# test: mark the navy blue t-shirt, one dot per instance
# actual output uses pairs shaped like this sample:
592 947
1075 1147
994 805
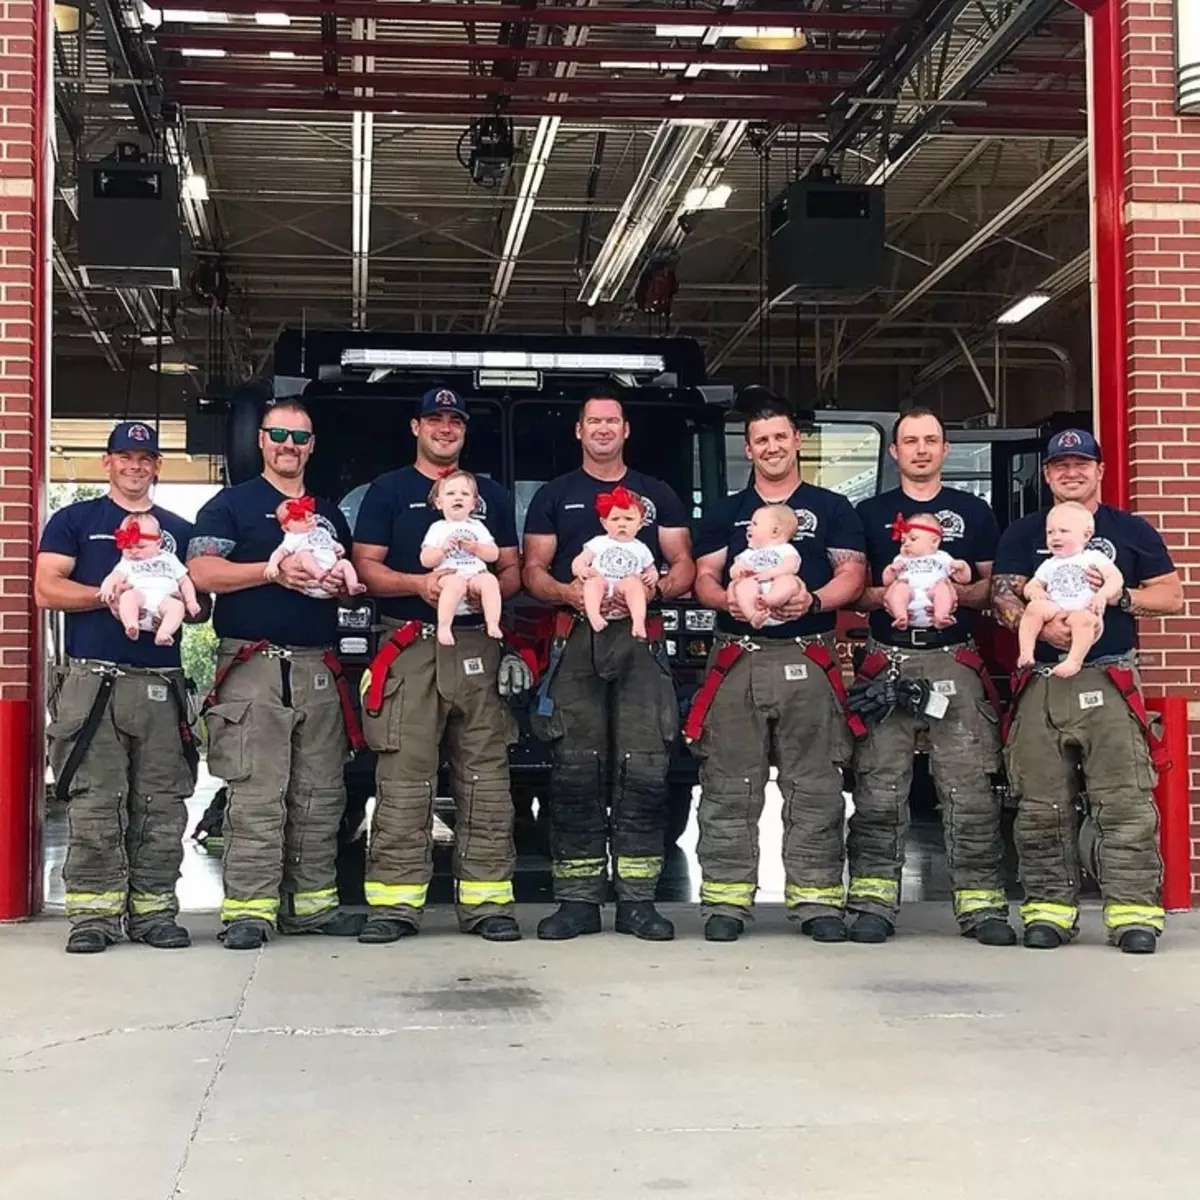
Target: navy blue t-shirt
85 532
396 513
566 509
969 532
827 522
239 524
1127 540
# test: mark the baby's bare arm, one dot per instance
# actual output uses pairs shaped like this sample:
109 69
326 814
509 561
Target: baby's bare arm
1035 590
487 551
431 556
784 568
581 564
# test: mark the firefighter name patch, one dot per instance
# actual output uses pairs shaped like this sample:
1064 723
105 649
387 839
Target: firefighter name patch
156 692
1091 699
320 683
945 687
794 672
472 666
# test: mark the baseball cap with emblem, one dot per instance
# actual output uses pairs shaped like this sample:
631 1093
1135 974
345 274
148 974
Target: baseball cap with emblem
1073 443
443 400
133 435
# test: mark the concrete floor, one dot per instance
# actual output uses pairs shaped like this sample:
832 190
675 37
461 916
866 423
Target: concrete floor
930 1069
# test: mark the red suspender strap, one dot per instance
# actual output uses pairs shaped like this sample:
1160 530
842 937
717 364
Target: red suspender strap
349 717
726 656
244 654
821 657
971 659
564 622
873 665
387 654
1020 681
1123 678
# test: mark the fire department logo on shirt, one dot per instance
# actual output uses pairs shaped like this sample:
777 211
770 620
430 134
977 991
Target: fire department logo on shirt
1105 547
953 526
806 524
648 508
168 543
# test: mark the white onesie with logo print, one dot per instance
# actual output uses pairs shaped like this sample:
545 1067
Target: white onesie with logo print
157 579
1065 579
614 560
767 558
922 572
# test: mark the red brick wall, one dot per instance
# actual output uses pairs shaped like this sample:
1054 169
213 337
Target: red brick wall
1162 224
18 170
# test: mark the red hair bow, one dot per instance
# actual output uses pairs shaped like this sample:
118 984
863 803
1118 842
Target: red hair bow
619 497
297 510
901 525
128 536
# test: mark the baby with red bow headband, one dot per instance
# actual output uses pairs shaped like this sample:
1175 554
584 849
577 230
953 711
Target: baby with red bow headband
151 587
616 563
920 580
321 554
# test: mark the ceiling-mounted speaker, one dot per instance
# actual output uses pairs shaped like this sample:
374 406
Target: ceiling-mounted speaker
129 224
825 237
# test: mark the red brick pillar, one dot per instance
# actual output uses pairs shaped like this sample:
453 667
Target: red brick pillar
24 178
1161 214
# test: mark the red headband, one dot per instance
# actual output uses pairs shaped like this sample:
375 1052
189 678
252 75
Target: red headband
130 535
619 497
297 510
901 526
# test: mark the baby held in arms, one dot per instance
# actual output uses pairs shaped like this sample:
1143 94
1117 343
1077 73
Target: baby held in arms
150 585
1061 585
462 545
766 575
919 581
615 563
317 551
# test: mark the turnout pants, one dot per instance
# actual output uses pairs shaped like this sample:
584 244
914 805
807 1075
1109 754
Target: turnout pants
775 706
277 738
963 748
1062 724
437 695
615 717
127 800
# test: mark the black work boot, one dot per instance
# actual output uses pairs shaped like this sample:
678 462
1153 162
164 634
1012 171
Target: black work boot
871 930
500 928
343 924
572 918
1138 941
1043 936
825 929
378 931
992 931
244 935
88 939
165 935
723 929
643 920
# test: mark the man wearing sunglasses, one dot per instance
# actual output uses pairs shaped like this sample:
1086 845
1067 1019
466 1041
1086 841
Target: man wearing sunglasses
120 716
277 729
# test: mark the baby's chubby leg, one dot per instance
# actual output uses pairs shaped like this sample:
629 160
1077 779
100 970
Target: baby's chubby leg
1035 616
308 561
632 590
745 591
594 589
170 613
1085 628
344 570
943 597
485 588
454 589
896 599
130 606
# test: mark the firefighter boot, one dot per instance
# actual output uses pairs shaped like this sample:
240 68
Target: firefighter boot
723 929
572 918
993 931
343 924
498 929
826 929
377 931
244 935
871 930
643 920
1043 936
165 935
88 939
1138 941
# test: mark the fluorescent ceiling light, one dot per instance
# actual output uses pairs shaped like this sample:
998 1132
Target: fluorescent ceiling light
774 32
706 199
281 54
202 52
272 18
196 186
195 16
691 69
1023 308
501 359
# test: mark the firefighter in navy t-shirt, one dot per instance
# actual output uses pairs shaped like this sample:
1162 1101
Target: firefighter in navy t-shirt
423 697
278 731
120 717
771 696
615 714
963 743
1095 720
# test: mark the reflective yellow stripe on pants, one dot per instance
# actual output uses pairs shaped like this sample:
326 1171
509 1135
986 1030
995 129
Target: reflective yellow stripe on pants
639 868
578 868
739 894
795 895
1061 916
866 887
396 895
95 904
1121 916
473 892
145 904
312 904
263 909
971 900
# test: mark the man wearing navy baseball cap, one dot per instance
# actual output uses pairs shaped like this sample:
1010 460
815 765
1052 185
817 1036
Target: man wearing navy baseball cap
1095 719
116 741
443 400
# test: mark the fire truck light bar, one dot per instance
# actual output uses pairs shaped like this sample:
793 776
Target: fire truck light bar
501 360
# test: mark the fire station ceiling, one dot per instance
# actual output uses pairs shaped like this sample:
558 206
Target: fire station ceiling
343 164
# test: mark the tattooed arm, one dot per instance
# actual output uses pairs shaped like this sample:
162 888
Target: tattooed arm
1158 597
1007 602
211 571
849 578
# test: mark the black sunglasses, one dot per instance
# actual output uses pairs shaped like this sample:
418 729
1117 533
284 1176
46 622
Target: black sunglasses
301 437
